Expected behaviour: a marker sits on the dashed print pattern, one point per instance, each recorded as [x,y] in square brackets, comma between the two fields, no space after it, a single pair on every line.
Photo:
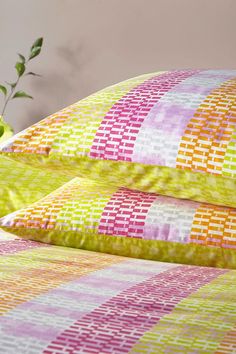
[176,126]
[206,139]
[115,139]
[125,213]
[85,207]
[59,299]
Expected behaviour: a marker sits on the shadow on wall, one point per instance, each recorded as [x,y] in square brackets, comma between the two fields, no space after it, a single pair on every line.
[61,86]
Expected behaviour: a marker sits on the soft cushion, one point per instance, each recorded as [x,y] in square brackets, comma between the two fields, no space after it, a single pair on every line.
[94,216]
[21,184]
[167,132]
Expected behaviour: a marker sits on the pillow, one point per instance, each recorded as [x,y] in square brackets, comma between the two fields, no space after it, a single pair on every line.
[21,185]
[171,132]
[90,215]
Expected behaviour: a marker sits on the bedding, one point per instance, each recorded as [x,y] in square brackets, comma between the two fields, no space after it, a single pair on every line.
[94,216]
[149,222]
[171,132]
[64,300]
[21,184]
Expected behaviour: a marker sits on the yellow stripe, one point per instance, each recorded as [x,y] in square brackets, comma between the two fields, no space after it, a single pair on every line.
[198,323]
[173,182]
[48,133]
[30,273]
[134,247]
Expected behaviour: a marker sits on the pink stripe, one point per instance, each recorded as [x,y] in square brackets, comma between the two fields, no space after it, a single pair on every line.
[14,246]
[125,213]
[117,325]
[117,133]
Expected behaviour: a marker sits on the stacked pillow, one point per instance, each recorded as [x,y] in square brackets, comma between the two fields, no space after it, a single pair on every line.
[21,184]
[95,216]
[168,132]
[171,133]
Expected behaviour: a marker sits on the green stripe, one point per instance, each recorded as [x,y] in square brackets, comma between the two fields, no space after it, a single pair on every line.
[133,247]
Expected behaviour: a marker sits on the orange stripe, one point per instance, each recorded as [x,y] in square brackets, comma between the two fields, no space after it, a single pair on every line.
[213,120]
[228,345]
[213,218]
[44,269]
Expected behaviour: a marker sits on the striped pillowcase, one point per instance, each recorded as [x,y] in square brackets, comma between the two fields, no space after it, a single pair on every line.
[93,216]
[172,133]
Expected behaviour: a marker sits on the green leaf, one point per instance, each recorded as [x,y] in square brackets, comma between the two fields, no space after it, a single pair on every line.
[22,58]
[20,68]
[37,43]
[12,84]
[36,48]
[34,74]
[1,130]
[3,89]
[34,52]
[21,94]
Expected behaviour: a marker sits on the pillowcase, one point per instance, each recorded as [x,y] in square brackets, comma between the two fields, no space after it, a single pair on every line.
[90,215]
[171,132]
[21,185]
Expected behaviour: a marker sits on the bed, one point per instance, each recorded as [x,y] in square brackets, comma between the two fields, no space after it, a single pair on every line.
[64,300]
[119,219]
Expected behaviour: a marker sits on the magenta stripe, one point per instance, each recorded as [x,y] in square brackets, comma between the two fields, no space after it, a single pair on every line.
[117,133]
[117,325]
[18,245]
[125,213]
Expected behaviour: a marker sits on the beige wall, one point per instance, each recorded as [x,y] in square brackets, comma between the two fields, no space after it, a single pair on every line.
[90,44]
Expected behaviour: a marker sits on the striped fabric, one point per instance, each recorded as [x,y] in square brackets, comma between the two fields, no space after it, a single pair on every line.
[145,170]
[156,133]
[63,300]
[98,217]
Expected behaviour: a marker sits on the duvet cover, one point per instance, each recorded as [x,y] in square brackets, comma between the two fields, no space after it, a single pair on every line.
[64,300]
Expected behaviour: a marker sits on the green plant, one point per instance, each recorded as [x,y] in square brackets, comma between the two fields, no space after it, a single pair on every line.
[9,90]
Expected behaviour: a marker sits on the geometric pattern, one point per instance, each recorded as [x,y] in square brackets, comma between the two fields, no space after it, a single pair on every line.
[160,136]
[214,226]
[182,120]
[122,326]
[174,331]
[208,134]
[17,245]
[60,299]
[178,125]
[87,208]
[163,219]
[125,213]
[75,206]
[71,130]
[229,165]
[67,300]
[115,139]
[228,345]
[79,131]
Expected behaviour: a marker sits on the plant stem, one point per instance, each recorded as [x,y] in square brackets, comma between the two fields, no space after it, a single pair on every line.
[9,97]
[11,93]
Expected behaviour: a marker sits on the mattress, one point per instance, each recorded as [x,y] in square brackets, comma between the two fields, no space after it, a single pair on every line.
[63,300]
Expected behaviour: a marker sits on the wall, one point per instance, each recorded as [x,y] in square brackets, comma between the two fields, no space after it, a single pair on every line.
[90,44]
